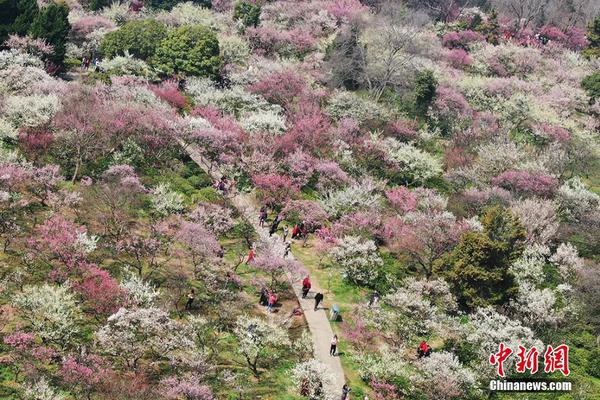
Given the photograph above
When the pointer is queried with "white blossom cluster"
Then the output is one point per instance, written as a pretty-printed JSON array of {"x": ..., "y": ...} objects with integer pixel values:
[
  {"x": 359, "y": 259},
  {"x": 165, "y": 200}
]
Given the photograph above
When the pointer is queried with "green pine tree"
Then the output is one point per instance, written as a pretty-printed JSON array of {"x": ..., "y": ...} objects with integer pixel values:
[
  {"x": 52, "y": 24},
  {"x": 478, "y": 267}
]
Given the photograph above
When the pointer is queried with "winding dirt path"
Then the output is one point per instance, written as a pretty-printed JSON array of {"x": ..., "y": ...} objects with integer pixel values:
[{"x": 318, "y": 321}]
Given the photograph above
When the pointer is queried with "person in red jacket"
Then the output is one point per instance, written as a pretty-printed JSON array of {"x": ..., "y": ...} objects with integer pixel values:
[
  {"x": 295, "y": 231},
  {"x": 424, "y": 350},
  {"x": 250, "y": 256},
  {"x": 272, "y": 301},
  {"x": 305, "y": 286}
]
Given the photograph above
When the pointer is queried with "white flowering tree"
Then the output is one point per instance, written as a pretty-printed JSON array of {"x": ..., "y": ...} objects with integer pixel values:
[
  {"x": 41, "y": 390},
  {"x": 567, "y": 259},
  {"x": 260, "y": 342},
  {"x": 130, "y": 335},
  {"x": 51, "y": 310},
  {"x": 414, "y": 309},
  {"x": 414, "y": 165},
  {"x": 354, "y": 197},
  {"x": 443, "y": 377},
  {"x": 166, "y": 201},
  {"x": 139, "y": 292},
  {"x": 539, "y": 218},
  {"x": 359, "y": 259},
  {"x": 577, "y": 201},
  {"x": 313, "y": 380},
  {"x": 488, "y": 329}
]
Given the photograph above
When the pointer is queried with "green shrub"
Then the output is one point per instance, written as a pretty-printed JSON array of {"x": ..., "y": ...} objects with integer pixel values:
[
  {"x": 247, "y": 13},
  {"x": 424, "y": 92},
  {"x": 138, "y": 38},
  {"x": 591, "y": 84},
  {"x": 192, "y": 50},
  {"x": 169, "y": 4},
  {"x": 593, "y": 363}
]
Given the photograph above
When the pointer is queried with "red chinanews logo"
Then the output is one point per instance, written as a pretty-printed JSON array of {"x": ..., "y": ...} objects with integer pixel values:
[{"x": 555, "y": 359}]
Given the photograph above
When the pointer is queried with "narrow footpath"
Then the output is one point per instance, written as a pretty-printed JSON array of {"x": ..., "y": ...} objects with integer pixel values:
[{"x": 318, "y": 321}]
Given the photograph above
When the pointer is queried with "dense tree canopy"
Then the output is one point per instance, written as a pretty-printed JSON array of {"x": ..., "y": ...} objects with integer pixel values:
[
  {"x": 192, "y": 50},
  {"x": 138, "y": 38}
]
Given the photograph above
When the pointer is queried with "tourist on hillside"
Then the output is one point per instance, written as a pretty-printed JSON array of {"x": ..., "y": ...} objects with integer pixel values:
[
  {"x": 346, "y": 392},
  {"x": 286, "y": 231},
  {"x": 272, "y": 301},
  {"x": 306, "y": 285},
  {"x": 251, "y": 255},
  {"x": 288, "y": 249},
  {"x": 190, "y": 299},
  {"x": 374, "y": 299},
  {"x": 262, "y": 218},
  {"x": 275, "y": 224},
  {"x": 264, "y": 297},
  {"x": 295, "y": 231},
  {"x": 333, "y": 347},
  {"x": 318, "y": 300},
  {"x": 424, "y": 350}
]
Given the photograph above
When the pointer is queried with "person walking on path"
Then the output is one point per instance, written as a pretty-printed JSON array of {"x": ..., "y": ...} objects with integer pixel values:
[
  {"x": 374, "y": 299},
  {"x": 190, "y": 299},
  {"x": 264, "y": 297},
  {"x": 333, "y": 348},
  {"x": 318, "y": 300},
  {"x": 286, "y": 231},
  {"x": 275, "y": 224},
  {"x": 272, "y": 301},
  {"x": 346, "y": 392},
  {"x": 306, "y": 285},
  {"x": 288, "y": 249},
  {"x": 262, "y": 218}
]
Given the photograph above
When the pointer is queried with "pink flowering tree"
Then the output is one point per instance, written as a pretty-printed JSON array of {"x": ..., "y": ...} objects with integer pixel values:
[
  {"x": 402, "y": 199},
  {"x": 187, "y": 387},
  {"x": 527, "y": 182},
  {"x": 275, "y": 190},
  {"x": 282, "y": 88},
  {"x": 277, "y": 269},
  {"x": 169, "y": 91},
  {"x": 85, "y": 375},
  {"x": 58, "y": 239},
  {"x": 113, "y": 201},
  {"x": 144, "y": 252},
  {"x": 199, "y": 244},
  {"x": 100, "y": 291},
  {"x": 424, "y": 237}
]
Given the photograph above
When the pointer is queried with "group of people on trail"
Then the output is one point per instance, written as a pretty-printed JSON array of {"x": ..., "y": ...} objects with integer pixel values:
[
  {"x": 223, "y": 185},
  {"x": 86, "y": 61},
  {"x": 268, "y": 299},
  {"x": 306, "y": 286}
]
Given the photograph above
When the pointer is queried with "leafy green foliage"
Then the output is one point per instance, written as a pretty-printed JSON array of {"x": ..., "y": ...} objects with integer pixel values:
[
  {"x": 138, "y": 38},
  {"x": 424, "y": 92},
  {"x": 593, "y": 35},
  {"x": 16, "y": 17},
  {"x": 477, "y": 268},
  {"x": 169, "y": 4},
  {"x": 52, "y": 24},
  {"x": 247, "y": 13},
  {"x": 192, "y": 50},
  {"x": 591, "y": 84}
]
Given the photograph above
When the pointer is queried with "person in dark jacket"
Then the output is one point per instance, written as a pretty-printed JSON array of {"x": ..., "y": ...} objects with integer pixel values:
[{"x": 318, "y": 299}]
